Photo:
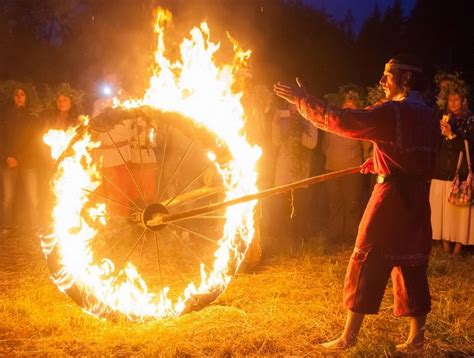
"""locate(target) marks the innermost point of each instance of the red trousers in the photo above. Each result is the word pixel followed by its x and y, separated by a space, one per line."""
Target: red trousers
pixel 116 184
pixel 146 180
pixel 367 276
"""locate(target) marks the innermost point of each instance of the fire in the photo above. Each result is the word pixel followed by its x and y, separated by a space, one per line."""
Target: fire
pixel 198 89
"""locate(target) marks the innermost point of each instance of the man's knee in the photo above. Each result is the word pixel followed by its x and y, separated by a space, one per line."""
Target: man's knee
pixel 365 282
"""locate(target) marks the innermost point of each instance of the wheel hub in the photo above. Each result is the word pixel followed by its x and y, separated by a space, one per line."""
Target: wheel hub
pixel 151 212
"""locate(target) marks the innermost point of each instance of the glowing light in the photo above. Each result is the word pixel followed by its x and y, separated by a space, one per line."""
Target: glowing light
pixel 106 90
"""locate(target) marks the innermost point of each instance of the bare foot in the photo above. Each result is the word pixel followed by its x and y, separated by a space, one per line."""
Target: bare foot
pixel 337 344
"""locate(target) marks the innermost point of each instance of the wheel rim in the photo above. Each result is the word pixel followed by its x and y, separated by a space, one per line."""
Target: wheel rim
pixel 133 241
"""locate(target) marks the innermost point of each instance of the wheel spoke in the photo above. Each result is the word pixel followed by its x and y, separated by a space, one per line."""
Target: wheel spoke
pixel 159 265
pixel 187 185
pixel 109 199
pixel 115 243
pixel 126 166
pixel 194 233
pixel 163 160
pixel 124 262
pixel 177 168
pixel 141 253
pixel 189 248
pixel 173 262
pixel 141 160
pixel 181 276
pixel 120 191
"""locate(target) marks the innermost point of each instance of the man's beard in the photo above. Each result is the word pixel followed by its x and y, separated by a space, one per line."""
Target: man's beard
pixel 395 95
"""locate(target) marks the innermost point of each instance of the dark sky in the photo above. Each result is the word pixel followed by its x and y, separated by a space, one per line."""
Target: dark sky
pixel 360 8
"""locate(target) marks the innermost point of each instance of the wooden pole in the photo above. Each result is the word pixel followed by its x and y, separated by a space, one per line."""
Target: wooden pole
pixel 161 219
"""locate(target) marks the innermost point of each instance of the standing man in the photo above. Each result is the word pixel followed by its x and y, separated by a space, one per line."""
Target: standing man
pixel 394 236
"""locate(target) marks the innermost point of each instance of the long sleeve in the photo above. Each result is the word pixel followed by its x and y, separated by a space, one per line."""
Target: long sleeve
pixel 377 124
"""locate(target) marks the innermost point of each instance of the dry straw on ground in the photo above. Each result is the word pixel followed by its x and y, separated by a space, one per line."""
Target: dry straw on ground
pixel 284 308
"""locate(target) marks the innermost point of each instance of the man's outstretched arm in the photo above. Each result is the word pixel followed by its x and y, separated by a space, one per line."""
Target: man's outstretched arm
pixel 376 124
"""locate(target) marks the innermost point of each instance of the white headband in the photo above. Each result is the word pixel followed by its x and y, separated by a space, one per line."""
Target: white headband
pixel 400 66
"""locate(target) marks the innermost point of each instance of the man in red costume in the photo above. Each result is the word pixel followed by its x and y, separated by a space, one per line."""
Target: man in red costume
pixel 394 236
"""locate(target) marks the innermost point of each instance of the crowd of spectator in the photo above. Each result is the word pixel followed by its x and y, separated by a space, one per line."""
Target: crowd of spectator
pixel 293 150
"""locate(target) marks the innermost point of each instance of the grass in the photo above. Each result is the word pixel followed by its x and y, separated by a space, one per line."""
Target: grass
pixel 285 308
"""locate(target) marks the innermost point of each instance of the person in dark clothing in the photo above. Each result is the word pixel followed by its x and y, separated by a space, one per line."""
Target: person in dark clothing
pixel 65 105
pixel 21 140
pixel 452 224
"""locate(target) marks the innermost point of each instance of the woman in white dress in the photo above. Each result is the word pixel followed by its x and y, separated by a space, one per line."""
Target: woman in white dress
pixel 450 223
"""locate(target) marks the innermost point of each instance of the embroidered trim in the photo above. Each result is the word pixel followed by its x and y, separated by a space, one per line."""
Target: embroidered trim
pixel 413 258
pixel 301 106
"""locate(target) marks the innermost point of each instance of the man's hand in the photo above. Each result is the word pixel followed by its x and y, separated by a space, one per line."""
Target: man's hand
pixel 368 167
pixel 11 162
pixel 291 94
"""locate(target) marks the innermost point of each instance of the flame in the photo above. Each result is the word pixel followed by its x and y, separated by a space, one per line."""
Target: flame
pixel 200 90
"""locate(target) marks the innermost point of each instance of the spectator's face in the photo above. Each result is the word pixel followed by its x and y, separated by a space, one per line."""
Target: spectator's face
pixel 63 103
pixel 390 82
pixel 19 98
pixel 455 103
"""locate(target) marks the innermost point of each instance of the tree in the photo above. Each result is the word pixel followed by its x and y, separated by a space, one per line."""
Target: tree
pixel 347 25
pixel 440 33
pixel 391 29
pixel 368 44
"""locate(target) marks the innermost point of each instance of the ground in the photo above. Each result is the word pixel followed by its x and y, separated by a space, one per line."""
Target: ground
pixel 286 307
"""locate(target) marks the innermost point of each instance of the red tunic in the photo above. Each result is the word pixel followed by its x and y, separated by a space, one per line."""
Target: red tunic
pixel 405 135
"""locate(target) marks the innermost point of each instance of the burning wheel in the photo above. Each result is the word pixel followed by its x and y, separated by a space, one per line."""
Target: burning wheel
pixel 134 264
pixel 138 264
